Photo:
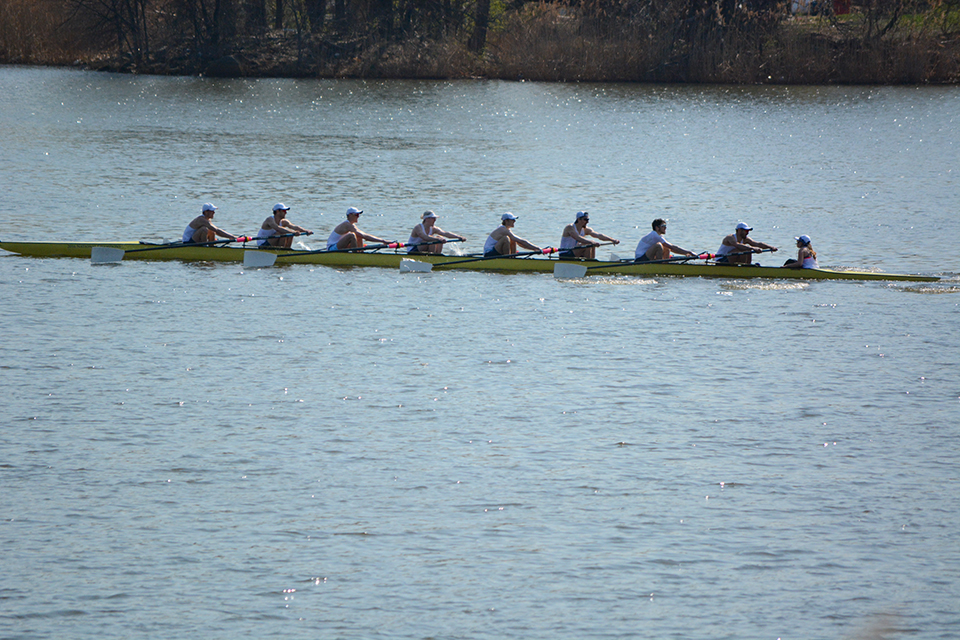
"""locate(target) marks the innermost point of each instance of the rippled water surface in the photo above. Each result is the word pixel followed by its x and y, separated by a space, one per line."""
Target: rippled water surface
pixel 203 451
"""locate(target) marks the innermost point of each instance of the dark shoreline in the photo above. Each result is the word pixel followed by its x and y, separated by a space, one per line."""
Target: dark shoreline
pixel 546 43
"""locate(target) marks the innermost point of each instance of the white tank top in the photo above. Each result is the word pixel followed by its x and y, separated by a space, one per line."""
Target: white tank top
pixel 263 234
pixel 414 240
pixel 333 240
pixel 490 244
pixel 724 250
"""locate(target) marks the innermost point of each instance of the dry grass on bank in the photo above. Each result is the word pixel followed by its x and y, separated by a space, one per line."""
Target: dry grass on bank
pixel 551 44
pixel 414 59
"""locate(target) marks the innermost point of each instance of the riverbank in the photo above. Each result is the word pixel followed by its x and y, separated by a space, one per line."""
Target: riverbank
pixel 542 42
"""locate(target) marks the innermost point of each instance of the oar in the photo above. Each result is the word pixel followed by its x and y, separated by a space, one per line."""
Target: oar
pixel 407 266
pixel 740 253
pixel 395 245
pixel 100 255
pixel 423 244
pixel 573 270
pixel 268 258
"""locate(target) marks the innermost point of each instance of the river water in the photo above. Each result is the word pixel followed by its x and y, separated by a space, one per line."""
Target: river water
pixel 202 451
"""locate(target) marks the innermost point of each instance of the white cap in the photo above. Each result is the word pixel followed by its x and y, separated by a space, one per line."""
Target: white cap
pixel 428 214
pixel 508 216
pixel 805 239
pixel 744 226
pixel 582 214
pixel 207 207
pixel 353 210
pixel 280 207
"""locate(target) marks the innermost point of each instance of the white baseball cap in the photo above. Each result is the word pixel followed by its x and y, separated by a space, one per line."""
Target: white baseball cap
pixel 508 216
pixel 353 210
pixel 582 214
pixel 207 207
pixel 428 214
pixel 744 226
pixel 805 239
pixel 280 207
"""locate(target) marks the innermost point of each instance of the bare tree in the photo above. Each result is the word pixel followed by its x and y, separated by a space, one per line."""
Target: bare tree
pixel 127 19
pixel 316 13
pixel 481 22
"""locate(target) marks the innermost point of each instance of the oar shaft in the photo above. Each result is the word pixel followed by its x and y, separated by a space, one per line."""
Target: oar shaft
pixel 179 245
pixel 246 239
pixel 212 243
pixel 701 256
pixel 509 255
pixel 740 253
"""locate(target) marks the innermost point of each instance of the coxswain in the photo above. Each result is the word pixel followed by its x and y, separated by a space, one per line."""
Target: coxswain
pixel 806 256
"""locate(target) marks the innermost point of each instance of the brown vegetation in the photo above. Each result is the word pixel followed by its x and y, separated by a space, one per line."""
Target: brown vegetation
pixel 715 41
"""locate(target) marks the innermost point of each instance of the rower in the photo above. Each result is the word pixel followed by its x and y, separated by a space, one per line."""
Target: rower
pixel 806 256
pixel 738 242
pixel 427 237
pixel 654 246
pixel 201 229
pixel 277 224
pixel 575 235
pixel 347 234
pixel 503 242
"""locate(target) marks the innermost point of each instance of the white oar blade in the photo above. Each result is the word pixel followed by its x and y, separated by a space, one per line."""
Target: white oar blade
pixel 103 255
pixel 414 266
pixel 568 270
pixel 255 258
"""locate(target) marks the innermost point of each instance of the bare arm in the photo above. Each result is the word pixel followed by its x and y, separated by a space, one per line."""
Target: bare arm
pixel 286 224
pixel 599 236
pixel 367 236
pixel 677 249
pixel 220 232
pixel 758 245
pixel 447 234
pixel 523 243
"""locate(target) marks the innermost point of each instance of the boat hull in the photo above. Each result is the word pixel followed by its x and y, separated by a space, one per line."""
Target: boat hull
pixel 391 260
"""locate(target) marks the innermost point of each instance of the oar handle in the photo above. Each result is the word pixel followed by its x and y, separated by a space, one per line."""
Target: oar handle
pixel 374 247
pixel 544 251
pixel 246 239
pixel 742 253
pixel 592 244
pixel 700 256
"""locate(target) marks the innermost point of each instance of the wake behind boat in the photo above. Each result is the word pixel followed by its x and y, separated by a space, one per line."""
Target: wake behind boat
pixel 392 258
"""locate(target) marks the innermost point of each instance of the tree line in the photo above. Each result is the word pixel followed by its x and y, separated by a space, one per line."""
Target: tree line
pixel 215 27
pixel 634 40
